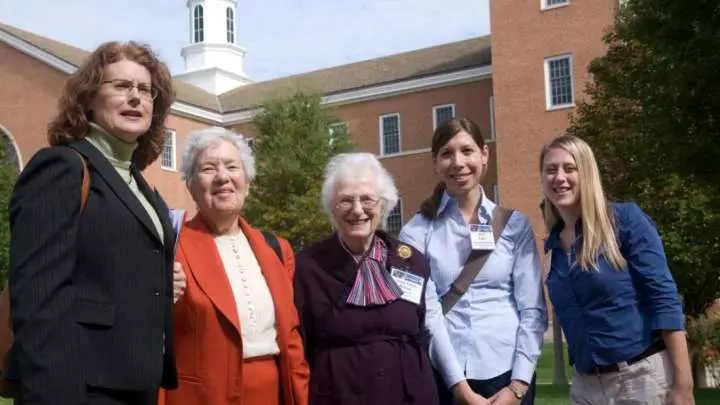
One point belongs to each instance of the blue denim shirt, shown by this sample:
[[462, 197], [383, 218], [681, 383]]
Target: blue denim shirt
[[498, 324], [610, 316]]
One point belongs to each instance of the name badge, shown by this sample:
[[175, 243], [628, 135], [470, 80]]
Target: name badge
[[481, 237], [410, 284]]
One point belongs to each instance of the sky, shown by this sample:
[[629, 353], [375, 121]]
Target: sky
[[282, 37]]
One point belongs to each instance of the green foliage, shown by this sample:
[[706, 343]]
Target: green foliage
[[704, 337], [652, 121], [8, 175], [295, 139]]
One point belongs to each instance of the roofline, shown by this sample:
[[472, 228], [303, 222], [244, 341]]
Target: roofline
[[188, 110], [37, 53], [380, 91]]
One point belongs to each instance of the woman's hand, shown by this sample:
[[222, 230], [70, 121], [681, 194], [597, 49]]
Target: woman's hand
[[179, 281], [464, 395]]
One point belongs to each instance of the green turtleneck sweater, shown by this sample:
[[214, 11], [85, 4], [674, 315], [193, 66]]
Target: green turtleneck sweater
[[119, 154]]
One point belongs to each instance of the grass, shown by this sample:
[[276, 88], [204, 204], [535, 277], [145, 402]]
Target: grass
[[558, 395]]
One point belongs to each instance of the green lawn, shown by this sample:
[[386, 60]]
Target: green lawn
[[551, 395]]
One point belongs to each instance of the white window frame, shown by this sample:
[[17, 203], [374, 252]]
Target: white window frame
[[382, 134], [545, 6], [491, 114], [230, 25], [331, 130], [437, 107], [173, 142], [198, 24], [548, 94], [399, 205]]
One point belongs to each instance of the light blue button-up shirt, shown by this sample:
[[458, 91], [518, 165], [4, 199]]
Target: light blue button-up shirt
[[498, 324]]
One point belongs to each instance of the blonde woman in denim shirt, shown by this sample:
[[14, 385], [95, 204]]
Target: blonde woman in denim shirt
[[486, 347], [610, 286]]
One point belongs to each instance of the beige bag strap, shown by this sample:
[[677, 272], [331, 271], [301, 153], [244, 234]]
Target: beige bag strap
[[475, 262]]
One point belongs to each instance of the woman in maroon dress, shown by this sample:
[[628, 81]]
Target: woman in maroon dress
[[360, 297]]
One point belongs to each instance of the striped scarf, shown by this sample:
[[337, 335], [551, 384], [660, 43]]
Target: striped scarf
[[373, 284]]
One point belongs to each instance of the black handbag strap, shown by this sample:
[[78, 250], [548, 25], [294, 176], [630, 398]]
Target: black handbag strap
[[475, 262]]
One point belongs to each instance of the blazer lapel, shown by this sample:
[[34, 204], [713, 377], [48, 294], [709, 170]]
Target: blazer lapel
[[103, 167], [207, 268]]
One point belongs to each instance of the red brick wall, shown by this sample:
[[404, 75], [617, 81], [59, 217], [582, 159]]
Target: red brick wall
[[29, 93], [523, 35]]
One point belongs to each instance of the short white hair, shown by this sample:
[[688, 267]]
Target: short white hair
[[200, 139], [348, 167]]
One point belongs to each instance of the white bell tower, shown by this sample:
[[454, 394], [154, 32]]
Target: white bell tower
[[213, 59]]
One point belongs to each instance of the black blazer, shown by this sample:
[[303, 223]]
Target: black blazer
[[91, 294]]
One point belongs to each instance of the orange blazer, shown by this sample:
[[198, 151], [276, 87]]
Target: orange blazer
[[208, 343]]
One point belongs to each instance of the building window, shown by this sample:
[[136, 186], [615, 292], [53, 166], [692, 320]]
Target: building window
[[559, 82], [554, 3], [394, 219], [442, 113], [336, 129], [389, 134], [198, 25], [168, 152], [230, 25], [491, 113]]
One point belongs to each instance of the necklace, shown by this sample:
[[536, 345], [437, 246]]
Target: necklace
[[357, 258]]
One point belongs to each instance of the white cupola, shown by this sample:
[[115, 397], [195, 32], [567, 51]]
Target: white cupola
[[213, 59]]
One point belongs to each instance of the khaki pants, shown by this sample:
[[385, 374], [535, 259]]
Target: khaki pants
[[646, 382]]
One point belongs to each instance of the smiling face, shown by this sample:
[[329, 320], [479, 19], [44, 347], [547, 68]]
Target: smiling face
[[219, 185], [357, 212], [124, 112], [560, 179], [461, 163]]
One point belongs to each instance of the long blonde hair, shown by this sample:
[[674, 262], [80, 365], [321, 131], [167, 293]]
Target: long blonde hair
[[598, 223]]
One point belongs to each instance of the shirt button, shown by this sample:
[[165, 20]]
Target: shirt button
[[157, 293], [156, 251]]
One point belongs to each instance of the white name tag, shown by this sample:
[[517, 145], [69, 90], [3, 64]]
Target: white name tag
[[481, 237], [410, 284]]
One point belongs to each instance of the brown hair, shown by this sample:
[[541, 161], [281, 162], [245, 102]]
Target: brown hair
[[71, 121], [442, 135]]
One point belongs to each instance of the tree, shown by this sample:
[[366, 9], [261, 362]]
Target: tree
[[651, 118], [8, 175], [295, 139]]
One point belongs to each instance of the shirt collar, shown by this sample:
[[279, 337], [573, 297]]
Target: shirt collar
[[447, 202], [112, 147], [553, 239]]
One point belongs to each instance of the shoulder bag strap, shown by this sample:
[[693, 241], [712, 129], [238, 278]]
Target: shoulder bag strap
[[475, 262]]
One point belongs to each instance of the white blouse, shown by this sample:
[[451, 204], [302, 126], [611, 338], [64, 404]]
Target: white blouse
[[254, 303]]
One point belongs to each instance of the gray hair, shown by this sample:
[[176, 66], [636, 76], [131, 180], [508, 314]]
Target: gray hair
[[358, 166], [200, 139]]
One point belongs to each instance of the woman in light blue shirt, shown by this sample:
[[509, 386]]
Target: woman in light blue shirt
[[485, 348]]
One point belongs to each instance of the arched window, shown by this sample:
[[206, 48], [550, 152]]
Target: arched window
[[9, 152], [230, 25], [198, 24]]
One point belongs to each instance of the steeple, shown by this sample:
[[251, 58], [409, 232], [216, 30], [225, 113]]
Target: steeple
[[213, 59]]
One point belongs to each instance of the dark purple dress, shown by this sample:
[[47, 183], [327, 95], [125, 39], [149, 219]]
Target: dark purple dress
[[361, 355]]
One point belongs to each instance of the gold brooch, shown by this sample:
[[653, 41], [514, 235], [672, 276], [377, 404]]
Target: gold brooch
[[404, 251]]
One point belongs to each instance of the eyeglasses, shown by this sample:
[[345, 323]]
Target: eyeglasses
[[366, 202], [125, 87]]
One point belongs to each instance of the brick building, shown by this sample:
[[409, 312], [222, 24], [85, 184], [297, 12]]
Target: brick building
[[390, 105]]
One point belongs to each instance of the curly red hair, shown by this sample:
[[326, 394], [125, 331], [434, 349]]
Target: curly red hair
[[71, 122]]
